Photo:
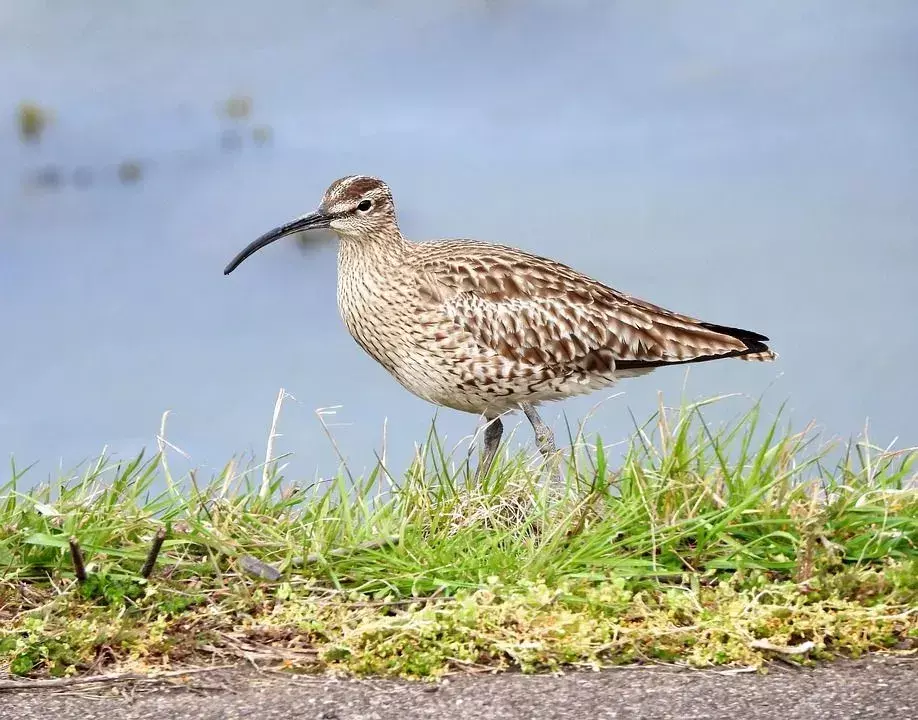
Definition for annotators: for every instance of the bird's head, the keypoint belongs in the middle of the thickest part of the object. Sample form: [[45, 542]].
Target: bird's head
[[353, 207]]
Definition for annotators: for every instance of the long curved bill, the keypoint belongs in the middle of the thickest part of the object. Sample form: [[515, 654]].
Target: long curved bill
[[313, 221]]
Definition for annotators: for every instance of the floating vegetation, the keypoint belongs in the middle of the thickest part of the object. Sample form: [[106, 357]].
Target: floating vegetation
[[130, 171], [31, 119], [262, 135], [238, 107]]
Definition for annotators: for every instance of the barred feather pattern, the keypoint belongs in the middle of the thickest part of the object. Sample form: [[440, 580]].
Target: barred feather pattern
[[482, 328]]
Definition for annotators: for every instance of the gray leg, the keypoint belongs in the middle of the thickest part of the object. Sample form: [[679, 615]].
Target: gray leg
[[492, 435], [545, 438]]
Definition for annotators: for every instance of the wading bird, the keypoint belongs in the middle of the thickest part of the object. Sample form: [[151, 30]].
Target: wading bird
[[487, 328]]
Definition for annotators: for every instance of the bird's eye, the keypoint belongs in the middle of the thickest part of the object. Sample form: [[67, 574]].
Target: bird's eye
[[364, 205]]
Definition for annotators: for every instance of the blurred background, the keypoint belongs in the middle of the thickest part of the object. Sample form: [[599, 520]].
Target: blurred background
[[752, 164]]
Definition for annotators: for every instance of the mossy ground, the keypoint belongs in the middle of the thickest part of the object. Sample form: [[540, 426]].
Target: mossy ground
[[706, 546]]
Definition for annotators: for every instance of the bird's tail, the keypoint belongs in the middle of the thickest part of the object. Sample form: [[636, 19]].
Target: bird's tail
[[764, 356], [758, 351]]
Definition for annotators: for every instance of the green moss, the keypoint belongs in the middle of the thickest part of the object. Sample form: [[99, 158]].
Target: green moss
[[533, 627]]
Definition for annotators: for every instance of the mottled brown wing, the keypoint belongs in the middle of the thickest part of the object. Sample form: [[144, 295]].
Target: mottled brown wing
[[540, 312]]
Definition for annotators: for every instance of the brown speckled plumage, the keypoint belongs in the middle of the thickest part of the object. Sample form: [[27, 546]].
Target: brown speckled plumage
[[487, 328]]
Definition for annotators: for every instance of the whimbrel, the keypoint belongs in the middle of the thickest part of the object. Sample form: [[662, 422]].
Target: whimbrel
[[487, 328]]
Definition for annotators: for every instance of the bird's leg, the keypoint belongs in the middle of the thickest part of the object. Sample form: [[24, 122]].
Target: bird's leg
[[545, 438], [492, 434]]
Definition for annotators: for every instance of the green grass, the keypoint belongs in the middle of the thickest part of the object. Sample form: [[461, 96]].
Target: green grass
[[704, 546]]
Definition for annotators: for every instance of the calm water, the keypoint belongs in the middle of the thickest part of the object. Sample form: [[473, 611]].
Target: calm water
[[754, 164]]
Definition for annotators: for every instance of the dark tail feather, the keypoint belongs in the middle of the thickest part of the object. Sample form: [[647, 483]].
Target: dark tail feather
[[756, 350], [753, 340]]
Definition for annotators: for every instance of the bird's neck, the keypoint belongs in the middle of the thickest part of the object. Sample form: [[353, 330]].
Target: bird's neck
[[368, 269], [379, 251]]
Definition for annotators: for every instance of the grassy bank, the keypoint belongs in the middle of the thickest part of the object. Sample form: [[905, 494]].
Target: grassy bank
[[705, 546]]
